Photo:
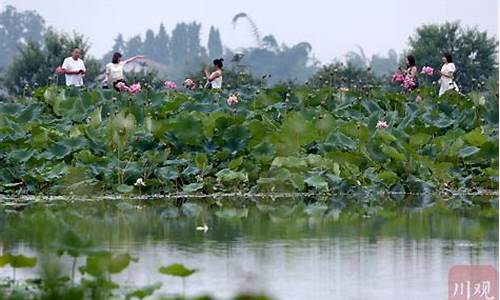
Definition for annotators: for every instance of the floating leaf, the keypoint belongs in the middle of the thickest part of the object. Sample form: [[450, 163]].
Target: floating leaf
[[124, 188], [193, 187], [317, 182], [177, 270]]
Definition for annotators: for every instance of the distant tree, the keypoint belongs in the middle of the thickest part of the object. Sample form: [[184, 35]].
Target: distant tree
[[134, 46], [179, 43], [358, 59], [195, 50], [339, 74], [34, 65], [185, 46], [384, 65], [16, 30], [214, 46], [161, 50], [269, 41], [474, 52], [149, 44], [282, 63], [119, 46]]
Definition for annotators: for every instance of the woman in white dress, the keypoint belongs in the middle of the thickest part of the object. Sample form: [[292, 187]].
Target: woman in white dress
[[114, 70], [446, 81], [214, 79]]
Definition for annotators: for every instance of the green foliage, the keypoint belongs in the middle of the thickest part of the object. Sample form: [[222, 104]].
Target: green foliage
[[474, 52], [35, 63], [18, 29], [348, 76], [214, 46], [279, 64], [144, 291], [379, 65], [177, 270], [17, 261], [282, 139]]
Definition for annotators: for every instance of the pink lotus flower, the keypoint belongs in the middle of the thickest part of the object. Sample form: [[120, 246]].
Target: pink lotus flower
[[398, 77], [418, 99], [170, 85], [232, 100], [408, 82], [135, 88], [427, 70], [122, 86], [189, 83], [382, 125]]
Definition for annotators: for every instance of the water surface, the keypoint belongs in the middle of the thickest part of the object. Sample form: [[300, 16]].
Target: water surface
[[288, 249]]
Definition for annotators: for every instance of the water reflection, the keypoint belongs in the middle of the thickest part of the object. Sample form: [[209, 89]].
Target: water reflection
[[287, 249]]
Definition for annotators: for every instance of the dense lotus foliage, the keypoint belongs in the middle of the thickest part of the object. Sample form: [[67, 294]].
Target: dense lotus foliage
[[280, 139]]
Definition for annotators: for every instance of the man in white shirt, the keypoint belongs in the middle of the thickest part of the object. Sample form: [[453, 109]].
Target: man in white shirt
[[74, 69]]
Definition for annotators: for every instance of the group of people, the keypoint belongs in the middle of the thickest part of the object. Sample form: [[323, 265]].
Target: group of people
[[74, 70], [446, 80]]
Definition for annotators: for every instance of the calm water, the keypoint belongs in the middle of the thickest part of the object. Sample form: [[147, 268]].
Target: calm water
[[288, 250]]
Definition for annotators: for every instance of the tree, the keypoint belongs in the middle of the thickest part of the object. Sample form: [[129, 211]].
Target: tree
[[179, 43], [35, 63], [358, 59], [269, 41], [381, 65], [16, 30], [134, 46], [474, 52], [282, 63], [185, 46], [214, 46], [149, 44], [161, 50], [119, 46], [339, 74]]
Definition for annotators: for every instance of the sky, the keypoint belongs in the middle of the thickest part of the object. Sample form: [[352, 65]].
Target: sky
[[332, 27]]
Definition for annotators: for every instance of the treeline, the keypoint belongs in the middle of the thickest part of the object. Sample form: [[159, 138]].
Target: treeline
[[181, 52], [30, 52]]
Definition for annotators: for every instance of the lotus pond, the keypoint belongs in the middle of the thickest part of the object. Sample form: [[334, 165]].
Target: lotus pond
[[285, 248], [280, 139], [384, 211]]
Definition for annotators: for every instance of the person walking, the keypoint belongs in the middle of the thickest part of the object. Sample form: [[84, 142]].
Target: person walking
[[446, 81]]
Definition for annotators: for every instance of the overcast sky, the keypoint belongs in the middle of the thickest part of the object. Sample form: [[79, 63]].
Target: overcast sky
[[333, 27]]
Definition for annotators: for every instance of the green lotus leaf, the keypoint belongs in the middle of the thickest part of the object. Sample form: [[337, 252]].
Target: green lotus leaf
[[124, 188], [468, 151], [317, 182], [193, 187], [177, 270]]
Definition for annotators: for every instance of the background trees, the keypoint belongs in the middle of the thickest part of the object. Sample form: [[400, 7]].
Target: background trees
[[474, 52], [16, 30], [179, 52], [35, 63], [214, 43]]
